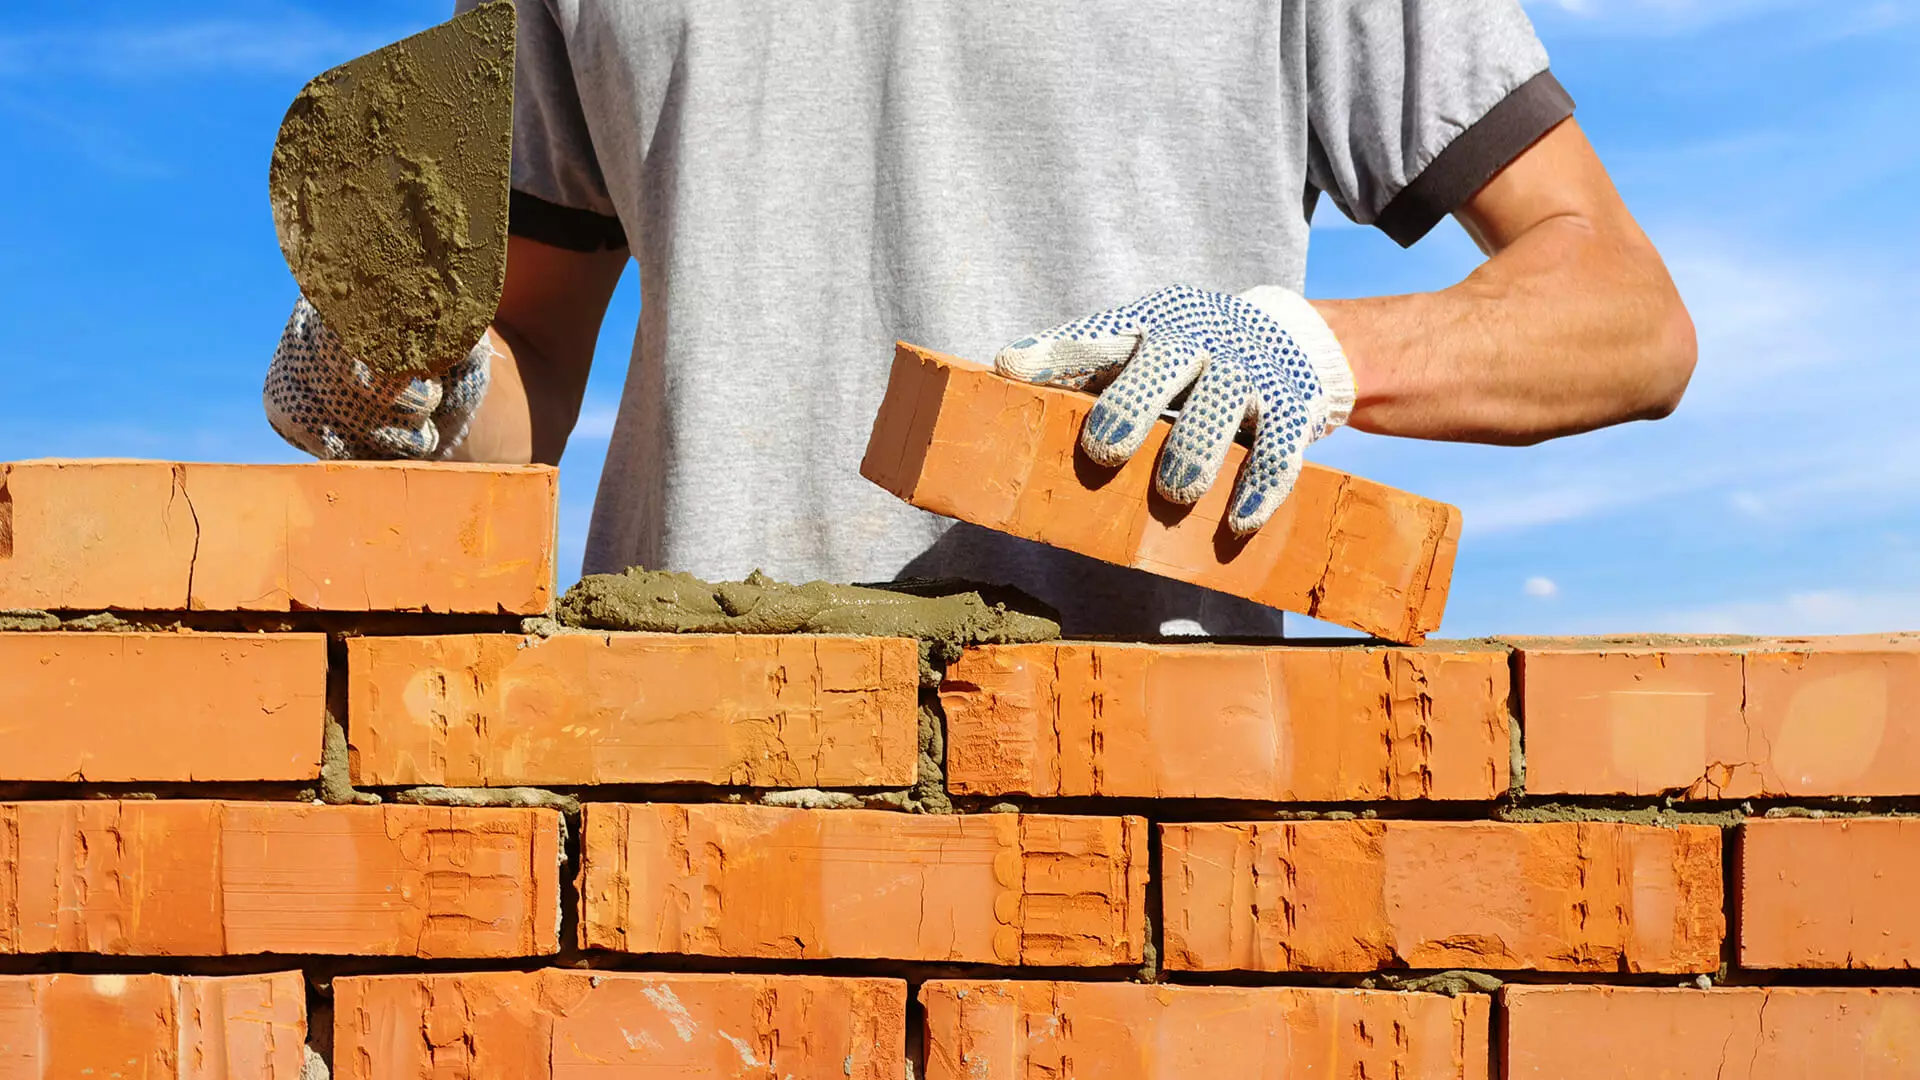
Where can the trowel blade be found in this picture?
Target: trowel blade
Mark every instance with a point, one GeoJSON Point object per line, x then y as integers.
{"type": "Point", "coordinates": [389, 187]}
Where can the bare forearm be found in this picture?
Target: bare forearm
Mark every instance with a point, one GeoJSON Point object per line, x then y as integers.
{"type": "Point", "coordinates": [543, 339]}
{"type": "Point", "coordinates": [1572, 325]}
{"type": "Point", "coordinates": [525, 417]}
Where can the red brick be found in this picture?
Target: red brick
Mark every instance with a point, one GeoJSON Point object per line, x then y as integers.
{"type": "Point", "coordinates": [778, 711]}
{"type": "Point", "coordinates": [556, 1025]}
{"type": "Point", "coordinates": [955, 438]}
{"type": "Point", "coordinates": [161, 707]}
{"type": "Point", "coordinates": [1209, 721]}
{"type": "Point", "coordinates": [163, 1027]}
{"type": "Point", "coordinates": [734, 880]}
{"type": "Point", "coordinates": [1782, 718]}
{"type": "Point", "coordinates": [1830, 893]}
{"type": "Point", "coordinates": [1360, 895]}
{"type": "Point", "coordinates": [335, 536]}
{"type": "Point", "coordinates": [192, 878]}
{"type": "Point", "coordinates": [1743, 1033]}
{"type": "Point", "coordinates": [1128, 1031]}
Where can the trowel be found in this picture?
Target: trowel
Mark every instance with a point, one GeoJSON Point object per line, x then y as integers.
{"type": "Point", "coordinates": [389, 186]}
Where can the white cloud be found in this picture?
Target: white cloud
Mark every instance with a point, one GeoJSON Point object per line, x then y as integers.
{"type": "Point", "coordinates": [596, 420]}
{"type": "Point", "coordinates": [1824, 611]}
{"type": "Point", "coordinates": [293, 45]}
{"type": "Point", "coordinates": [102, 145]}
{"type": "Point", "coordinates": [1799, 411]}
{"type": "Point", "coordinates": [1542, 588]}
{"type": "Point", "coordinates": [1819, 19]}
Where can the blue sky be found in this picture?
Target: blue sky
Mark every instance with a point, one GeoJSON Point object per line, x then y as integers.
{"type": "Point", "coordinates": [1771, 147]}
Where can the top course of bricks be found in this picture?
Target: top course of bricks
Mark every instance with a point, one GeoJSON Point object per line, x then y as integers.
{"type": "Point", "coordinates": [346, 537]}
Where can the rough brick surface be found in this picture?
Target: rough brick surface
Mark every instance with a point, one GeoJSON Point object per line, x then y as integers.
{"type": "Point", "coordinates": [1362, 895]}
{"type": "Point", "coordinates": [555, 1025]}
{"type": "Point", "coordinates": [1830, 893]}
{"type": "Point", "coordinates": [1128, 1031]}
{"type": "Point", "coordinates": [1207, 721]}
{"type": "Point", "coordinates": [723, 880]}
{"type": "Point", "coordinates": [954, 438]}
{"type": "Point", "coordinates": [1744, 1033]}
{"type": "Point", "coordinates": [775, 711]}
{"type": "Point", "coordinates": [161, 707]}
{"type": "Point", "coordinates": [163, 1027]}
{"type": "Point", "coordinates": [332, 537]}
{"type": "Point", "coordinates": [192, 878]}
{"type": "Point", "coordinates": [1803, 717]}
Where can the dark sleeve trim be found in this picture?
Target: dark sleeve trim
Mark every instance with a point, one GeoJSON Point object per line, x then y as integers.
{"type": "Point", "coordinates": [562, 226]}
{"type": "Point", "coordinates": [1475, 156]}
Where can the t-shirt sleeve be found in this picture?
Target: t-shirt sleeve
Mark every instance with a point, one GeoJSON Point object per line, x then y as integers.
{"type": "Point", "coordinates": [559, 193]}
{"type": "Point", "coordinates": [1415, 104]}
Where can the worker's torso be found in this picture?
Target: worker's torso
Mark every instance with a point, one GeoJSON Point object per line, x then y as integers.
{"type": "Point", "coordinates": [804, 181]}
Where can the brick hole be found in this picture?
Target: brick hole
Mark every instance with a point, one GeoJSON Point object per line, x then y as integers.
{"type": "Point", "coordinates": [6, 518]}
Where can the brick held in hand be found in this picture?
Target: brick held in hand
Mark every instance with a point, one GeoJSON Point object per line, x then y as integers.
{"type": "Point", "coordinates": [1213, 721]}
{"type": "Point", "coordinates": [738, 709]}
{"type": "Point", "coordinates": [1830, 893]}
{"type": "Point", "coordinates": [193, 1027]}
{"type": "Point", "coordinates": [1729, 1033]}
{"type": "Point", "coordinates": [955, 438]}
{"type": "Point", "coordinates": [1367, 895]}
{"type": "Point", "coordinates": [1772, 717]}
{"type": "Point", "coordinates": [333, 536]}
{"type": "Point", "coordinates": [109, 708]}
{"type": "Point", "coordinates": [194, 878]}
{"type": "Point", "coordinates": [758, 881]}
{"type": "Point", "coordinates": [553, 1024]}
{"type": "Point", "coordinates": [1010, 1030]}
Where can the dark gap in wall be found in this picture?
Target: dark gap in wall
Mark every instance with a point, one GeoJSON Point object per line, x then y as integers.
{"type": "Point", "coordinates": [6, 516]}
{"type": "Point", "coordinates": [322, 970]}
{"type": "Point", "coordinates": [1729, 903]}
{"type": "Point", "coordinates": [1153, 970]}
{"type": "Point", "coordinates": [300, 621]}
{"type": "Point", "coordinates": [1517, 726]}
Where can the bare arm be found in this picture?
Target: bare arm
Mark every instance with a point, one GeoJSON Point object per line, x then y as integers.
{"type": "Point", "coordinates": [1571, 324]}
{"type": "Point", "coordinates": [543, 338]}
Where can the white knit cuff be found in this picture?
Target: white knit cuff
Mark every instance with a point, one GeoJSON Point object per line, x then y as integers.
{"type": "Point", "coordinates": [1315, 338]}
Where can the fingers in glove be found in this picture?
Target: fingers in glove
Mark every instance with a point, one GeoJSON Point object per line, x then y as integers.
{"type": "Point", "coordinates": [1197, 446]}
{"type": "Point", "coordinates": [418, 442]}
{"type": "Point", "coordinates": [1279, 448]}
{"type": "Point", "coordinates": [1074, 355]}
{"type": "Point", "coordinates": [1126, 411]}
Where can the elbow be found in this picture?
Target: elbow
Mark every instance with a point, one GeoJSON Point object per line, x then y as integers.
{"type": "Point", "coordinates": [1672, 350]}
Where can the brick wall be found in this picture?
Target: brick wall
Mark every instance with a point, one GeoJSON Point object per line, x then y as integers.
{"type": "Point", "coordinates": [286, 785]}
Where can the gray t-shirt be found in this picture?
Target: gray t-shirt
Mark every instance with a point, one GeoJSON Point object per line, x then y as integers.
{"type": "Point", "coordinates": [806, 181]}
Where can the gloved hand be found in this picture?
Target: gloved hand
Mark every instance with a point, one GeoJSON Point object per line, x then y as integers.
{"type": "Point", "coordinates": [333, 406]}
{"type": "Point", "coordinates": [1264, 358]}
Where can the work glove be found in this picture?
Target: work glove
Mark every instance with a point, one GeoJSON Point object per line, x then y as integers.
{"type": "Point", "coordinates": [1263, 360]}
{"type": "Point", "coordinates": [334, 406]}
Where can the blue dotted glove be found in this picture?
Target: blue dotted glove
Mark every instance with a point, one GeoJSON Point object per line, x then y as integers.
{"type": "Point", "coordinates": [1265, 359]}
{"type": "Point", "coordinates": [333, 406]}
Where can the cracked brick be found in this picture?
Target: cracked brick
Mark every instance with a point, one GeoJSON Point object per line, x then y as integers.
{"type": "Point", "coordinates": [1809, 717]}
{"type": "Point", "coordinates": [1725, 1033]}
{"type": "Point", "coordinates": [333, 536]}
